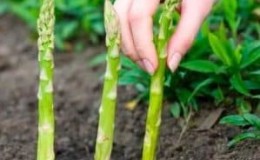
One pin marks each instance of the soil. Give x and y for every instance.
(77, 98)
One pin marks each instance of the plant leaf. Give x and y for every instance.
(237, 54)
(252, 85)
(97, 60)
(230, 8)
(127, 63)
(203, 66)
(176, 110)
(127, 80)
(218, 95)
(257, 73)
(253, 120)
(183, 95)
(252, 55)
(241, 137)
(243, 106)
(219, 49)
(200, 86)
(239, 85)
(134, 76)
(235, 120)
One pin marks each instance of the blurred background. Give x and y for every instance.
(211, 102)
(75, 20)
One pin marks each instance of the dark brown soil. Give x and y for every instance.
(77, 94)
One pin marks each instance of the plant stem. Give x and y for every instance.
(108, 104)
(156, 89)
(46, 23)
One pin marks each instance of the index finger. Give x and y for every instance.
(141, 25)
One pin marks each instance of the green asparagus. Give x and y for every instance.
(46, 23)
(108, 105)
(156, 89)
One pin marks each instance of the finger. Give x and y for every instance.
(140, 18)
(122, 8)
(193, 14)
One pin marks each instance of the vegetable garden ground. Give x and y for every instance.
(77, 91)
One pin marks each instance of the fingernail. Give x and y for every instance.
(174, 61)
(148, 66)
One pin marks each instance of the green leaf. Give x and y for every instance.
(243, 106)
(67, 29)
(183, 95)
(222, 32)
(127, 80)
(127, 63)
(134, 76)
(142, 88)
(176, 110)
(252, 85)
(237, 54)
(97, 60)
(239, 85)
(219, 49)
(256, 96)
(3, 7)
(168, 80)
(230, 8)
(203, 66)
(205, 29)
(257, 73)
(242, 137)
(253, 120)
(252, 55)
(218, 95)
(202, 84)
(25, 13)
(235, 120)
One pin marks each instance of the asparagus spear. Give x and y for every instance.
(46, 22)
(156, 89)
(108, 105)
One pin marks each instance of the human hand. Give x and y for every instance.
(137, 30)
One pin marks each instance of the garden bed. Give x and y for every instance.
(77, 98)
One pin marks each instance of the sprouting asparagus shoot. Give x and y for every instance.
(109, 96)
(156, 89)
(46, 20)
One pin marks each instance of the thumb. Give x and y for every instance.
(192, 16)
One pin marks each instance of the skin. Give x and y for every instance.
(137, 34)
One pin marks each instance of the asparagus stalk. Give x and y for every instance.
(156, 89)
(46, 23)
(108, 104)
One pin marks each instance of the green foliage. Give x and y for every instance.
(229, 69)
(74, 19)
(97, 60)
(176, 110)
(245, 120)
(221, 67)
(131, 74)
(202, 66)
